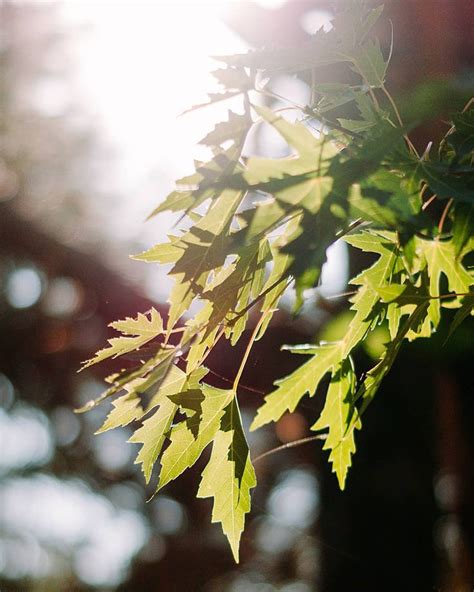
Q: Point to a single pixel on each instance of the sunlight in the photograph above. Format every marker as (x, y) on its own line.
(136, 71)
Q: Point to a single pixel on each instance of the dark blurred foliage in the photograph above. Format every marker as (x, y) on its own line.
(72, 506)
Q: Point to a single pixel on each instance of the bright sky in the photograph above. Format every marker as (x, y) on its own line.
(139, 66)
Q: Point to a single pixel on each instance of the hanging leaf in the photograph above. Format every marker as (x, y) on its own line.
(189, 438)
(229, 476)
(336, 416)
(125, 410)
(136, 332)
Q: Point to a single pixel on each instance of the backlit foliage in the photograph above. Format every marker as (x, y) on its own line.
(255, 226)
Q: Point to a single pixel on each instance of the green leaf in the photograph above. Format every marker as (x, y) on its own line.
(385, 199)
(152, 435)
(463, 226)
(336, 416)
(126, 409)
(370, 64)
(204, 249)
(229, 476)
(462, 137)
(136, 332)
(443, 179)
(173, 382)
(441, 260)
(162, 253)
(374, 377)
(465, 310)
(304, 380)
(190, 437)
(234, 129)
(193, 190)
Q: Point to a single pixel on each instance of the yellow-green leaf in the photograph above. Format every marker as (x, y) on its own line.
(136, 332)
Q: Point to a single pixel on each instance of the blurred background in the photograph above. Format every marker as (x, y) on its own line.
(90, 142)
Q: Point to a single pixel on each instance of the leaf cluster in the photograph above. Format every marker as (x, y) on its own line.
(254, 226)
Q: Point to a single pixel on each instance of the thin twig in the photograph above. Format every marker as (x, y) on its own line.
(258, 298)
(289, 445)
(341, 295)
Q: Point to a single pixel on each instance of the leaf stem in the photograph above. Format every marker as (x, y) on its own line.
(444, 215)
(399, 118)
(248, 349)
(352, 226)
(428, 201)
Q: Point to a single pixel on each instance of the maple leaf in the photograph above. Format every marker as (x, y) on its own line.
(463, 226)
(440, 258)
(229, 476)
(336, 416)
(462, 136)
(126, 409)
(304, 380)
(152, 435)
(189, 438)
(204, 249)
(467, 308)
(234, 129)
(136, 332)
(369, 62)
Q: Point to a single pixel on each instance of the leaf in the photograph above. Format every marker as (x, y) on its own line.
(161, 253)
(370, 64)
(204, 249)
(213, 98)
(233, 294)
(462, 137)
(189, 438)
(336, 416)
(152, 435)
(234, 129)
(193, 190)
(440, 259)
(229, 476)
(233, 78)
(172, 383)
(125, 410)
(443, 180)
(384, 199)
(314, 154)
(291, 389)
(371, 383)
(463, 226)
(465, 310)
(136, 332)
(330, 95)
